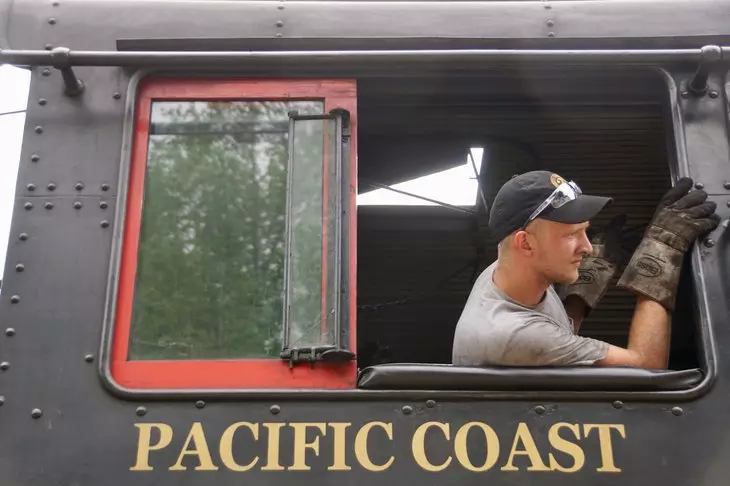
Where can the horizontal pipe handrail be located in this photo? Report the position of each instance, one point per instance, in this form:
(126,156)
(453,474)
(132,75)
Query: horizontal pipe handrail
(63,57)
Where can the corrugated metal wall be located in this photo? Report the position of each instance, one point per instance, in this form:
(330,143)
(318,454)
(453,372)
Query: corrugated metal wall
(607,131)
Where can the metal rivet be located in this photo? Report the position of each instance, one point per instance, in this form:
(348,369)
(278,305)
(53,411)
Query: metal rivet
(14,299)
(2,400)
(407,409)
(4,366)
(430,403)
(274,409)
(699,185)
(77,205)
(709,243)
(39,129)
(103,205)
(46,72)
(10,332)
(677,411)
(79,186)
(539,409)
(279,34)
(89,358)
(714,94)
(51,186)
(728,204)
(117,95)
(35,158)
(105,224)
(726,185)
(42,102)
(28,206)
(551,34)
(280,23)
(49,47)
(48,205)
(105,187)
(141,411)
(52,21)
(19,267)
(548,6)
(685,94)
(550,23)
(36,413)
(23,236)
(200,404)
(30,187)
(618,404)
(55,3)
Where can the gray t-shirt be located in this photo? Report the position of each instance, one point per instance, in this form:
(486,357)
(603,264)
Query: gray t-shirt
(496,330)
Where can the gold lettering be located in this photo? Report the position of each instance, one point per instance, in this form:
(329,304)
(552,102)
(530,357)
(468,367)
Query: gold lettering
(567,447)
(462,452)
(530,450)
(361,446)
(301,445)
(200,449)
(272,455)
(226,446)
(418,446)
(144,445)
(339,463)
(604,438)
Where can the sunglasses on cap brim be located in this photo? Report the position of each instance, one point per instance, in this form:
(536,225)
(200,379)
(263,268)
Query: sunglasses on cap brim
(563,194)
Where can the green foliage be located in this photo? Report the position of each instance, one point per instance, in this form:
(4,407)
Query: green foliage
(210,273)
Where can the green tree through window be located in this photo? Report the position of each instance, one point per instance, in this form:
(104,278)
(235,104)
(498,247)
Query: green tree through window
(210,270)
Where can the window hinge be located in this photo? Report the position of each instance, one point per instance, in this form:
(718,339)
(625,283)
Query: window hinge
(324,354)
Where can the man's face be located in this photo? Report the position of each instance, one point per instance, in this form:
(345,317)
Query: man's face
(559,249)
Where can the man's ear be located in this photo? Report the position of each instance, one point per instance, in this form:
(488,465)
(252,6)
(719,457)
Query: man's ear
(521,242)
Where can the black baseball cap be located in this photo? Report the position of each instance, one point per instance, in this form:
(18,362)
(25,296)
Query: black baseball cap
(521,195)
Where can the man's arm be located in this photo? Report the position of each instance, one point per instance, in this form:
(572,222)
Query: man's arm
(648,338)
(654,270)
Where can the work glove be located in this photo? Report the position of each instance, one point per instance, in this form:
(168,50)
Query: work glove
(681,217)
(597,269)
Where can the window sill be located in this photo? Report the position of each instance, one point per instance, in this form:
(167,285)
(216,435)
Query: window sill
(416,376)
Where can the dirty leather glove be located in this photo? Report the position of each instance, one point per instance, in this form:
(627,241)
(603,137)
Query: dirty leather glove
(680,219)
(598,268)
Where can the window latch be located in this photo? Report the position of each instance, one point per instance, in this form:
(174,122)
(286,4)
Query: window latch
(323,354)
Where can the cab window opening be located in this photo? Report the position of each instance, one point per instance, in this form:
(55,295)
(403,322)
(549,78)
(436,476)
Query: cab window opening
(417,261)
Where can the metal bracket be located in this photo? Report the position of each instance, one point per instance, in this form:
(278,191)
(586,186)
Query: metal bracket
(710,55)
(60,59)
(324,354)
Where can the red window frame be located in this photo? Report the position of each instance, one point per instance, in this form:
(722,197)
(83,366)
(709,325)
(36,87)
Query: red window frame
(235,373)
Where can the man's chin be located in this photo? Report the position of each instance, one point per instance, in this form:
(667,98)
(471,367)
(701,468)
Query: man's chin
(567,279)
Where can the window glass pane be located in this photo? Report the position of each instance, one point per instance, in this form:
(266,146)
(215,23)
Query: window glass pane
(210,271)
(312,258)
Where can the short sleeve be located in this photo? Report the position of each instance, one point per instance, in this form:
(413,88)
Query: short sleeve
(543,343)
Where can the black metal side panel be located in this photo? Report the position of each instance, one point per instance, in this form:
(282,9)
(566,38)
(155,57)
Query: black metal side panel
(78,23)
(59,426)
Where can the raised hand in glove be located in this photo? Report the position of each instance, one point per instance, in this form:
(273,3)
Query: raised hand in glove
(680,219)
(598,268)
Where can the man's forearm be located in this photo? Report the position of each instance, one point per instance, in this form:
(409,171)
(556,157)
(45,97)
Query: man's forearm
(650,333)
(648,338)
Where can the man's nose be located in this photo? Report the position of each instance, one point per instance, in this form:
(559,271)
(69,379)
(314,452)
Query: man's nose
(586,247)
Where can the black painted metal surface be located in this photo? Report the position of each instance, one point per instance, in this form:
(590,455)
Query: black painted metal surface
(60,426)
